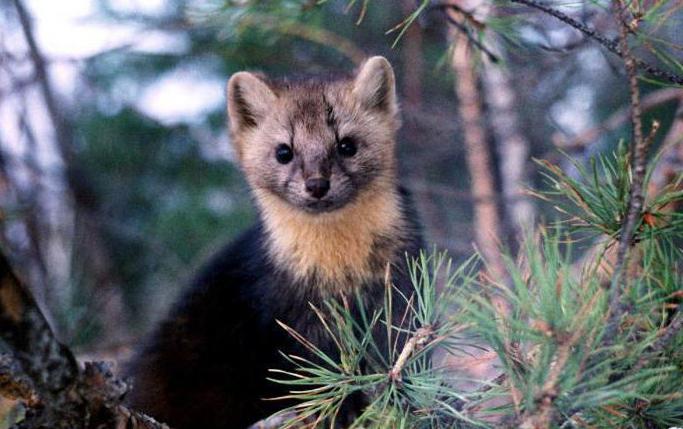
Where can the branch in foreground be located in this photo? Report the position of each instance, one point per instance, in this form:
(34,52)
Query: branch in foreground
(44,373)
(639,146)
(610,45)
(665,339)
(421,337)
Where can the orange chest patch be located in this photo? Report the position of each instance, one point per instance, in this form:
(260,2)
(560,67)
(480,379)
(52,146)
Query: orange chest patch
(334,248)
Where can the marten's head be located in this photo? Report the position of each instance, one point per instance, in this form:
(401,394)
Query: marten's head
(317,146)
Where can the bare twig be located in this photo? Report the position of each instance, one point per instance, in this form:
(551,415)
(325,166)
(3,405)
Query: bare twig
(610,45)
(418,340)
(616,119)
(451,12)
(96,257)
(63,131)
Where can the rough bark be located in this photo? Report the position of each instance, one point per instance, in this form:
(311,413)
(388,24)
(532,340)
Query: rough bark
(44,374)
(639,146)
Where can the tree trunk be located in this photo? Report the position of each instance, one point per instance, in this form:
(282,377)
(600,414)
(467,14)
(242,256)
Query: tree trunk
(512,146)
(486,221)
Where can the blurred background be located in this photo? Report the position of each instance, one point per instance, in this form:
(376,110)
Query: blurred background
(116,173)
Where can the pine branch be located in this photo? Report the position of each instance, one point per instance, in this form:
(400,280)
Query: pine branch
(639,147)
(611,45)
(542,416)
(421,337)
(664,340)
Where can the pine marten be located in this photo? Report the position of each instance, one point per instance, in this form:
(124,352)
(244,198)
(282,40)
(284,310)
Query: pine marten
(319,156)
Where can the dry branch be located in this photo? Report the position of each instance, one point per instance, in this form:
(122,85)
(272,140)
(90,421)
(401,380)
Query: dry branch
(451,12)
(415,342)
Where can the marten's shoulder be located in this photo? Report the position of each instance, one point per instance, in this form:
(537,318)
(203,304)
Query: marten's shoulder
(213,342)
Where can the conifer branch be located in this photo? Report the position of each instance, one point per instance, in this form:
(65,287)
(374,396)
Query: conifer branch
(542,416)
(639,146)
(417,341)
(667,336)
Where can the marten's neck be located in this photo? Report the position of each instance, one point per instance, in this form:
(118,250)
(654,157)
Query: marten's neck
(336,250)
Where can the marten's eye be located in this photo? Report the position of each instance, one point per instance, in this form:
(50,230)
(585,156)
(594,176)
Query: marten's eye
(347,147)
(283,153)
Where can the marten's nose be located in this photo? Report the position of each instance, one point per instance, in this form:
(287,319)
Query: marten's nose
(317,187)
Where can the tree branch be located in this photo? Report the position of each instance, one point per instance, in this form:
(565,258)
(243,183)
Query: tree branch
(45,375)
(421,337)
(666,337)
(639,148)
(450,12)
(616,119)
(610,45)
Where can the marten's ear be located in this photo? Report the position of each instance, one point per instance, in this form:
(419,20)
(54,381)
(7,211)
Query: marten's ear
(249,100)
(375,86)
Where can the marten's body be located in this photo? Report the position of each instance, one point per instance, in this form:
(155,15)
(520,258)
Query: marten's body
(320,160)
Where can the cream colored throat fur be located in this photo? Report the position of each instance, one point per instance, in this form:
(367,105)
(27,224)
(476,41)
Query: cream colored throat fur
(333,249)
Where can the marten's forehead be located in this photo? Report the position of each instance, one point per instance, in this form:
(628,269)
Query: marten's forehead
(311,109)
